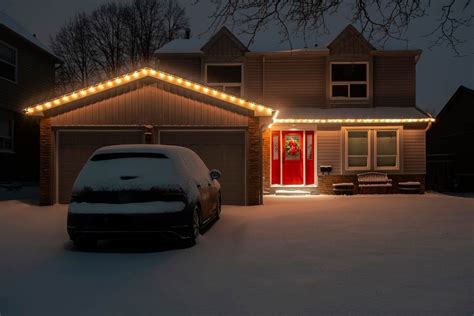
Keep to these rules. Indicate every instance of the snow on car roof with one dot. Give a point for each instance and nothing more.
(142, 148)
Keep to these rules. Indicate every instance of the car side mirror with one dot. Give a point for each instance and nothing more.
(215, 174)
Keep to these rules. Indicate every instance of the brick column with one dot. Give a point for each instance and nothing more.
(254, 160)
(266, 159)
(46, 163)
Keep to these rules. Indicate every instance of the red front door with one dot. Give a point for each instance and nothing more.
(292, 157)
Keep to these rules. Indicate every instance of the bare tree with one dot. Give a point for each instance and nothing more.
(175, 21)
(379, 20)
(153, 23)
(115, 37)
(73, 44)
(109, 32)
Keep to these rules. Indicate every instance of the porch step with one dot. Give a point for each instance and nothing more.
(289, 192)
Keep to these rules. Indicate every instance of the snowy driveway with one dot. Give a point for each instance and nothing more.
(324, 254)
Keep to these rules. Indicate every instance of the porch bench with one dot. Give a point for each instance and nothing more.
(409, 187)
(343, 188)
(374, 182)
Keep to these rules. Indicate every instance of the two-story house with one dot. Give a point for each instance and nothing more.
(26, 75)
(304, 118)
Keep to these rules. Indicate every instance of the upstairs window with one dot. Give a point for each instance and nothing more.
(349, 80)
(8, 62)
(6, 135)
(225, 77)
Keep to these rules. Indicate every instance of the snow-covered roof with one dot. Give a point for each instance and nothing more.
(376, 113)
(16, 27)
(194, 45)
(182, 45)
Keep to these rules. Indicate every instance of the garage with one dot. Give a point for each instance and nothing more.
(75, 147)
(223, 150)
(150, 107)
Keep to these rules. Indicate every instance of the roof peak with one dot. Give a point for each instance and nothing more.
(37, 109)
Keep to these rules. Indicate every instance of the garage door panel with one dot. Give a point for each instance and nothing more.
(219, 150)
(75, 148)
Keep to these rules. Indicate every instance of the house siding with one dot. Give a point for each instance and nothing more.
(35, 81)
(150, 104)
(223, 46)
(287, 81)
(414, 151)
(35, 74)
(188, 67)
(394, 81)
(329, 150)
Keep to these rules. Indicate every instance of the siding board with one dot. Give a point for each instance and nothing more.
(149, 105)
(394, 81)
(329, 150)
(414, 151)
(288, 81)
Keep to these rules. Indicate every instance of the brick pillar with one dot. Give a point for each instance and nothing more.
(254, 160)
(266, 159)
(46, 163)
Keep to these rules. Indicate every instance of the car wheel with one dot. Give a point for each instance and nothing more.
(219, 207)
(85, 243)
(194, 230)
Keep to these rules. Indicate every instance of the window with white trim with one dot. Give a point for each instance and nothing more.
(386, 149)
(8, 62)
(357, 149)
(6, 135)
(349, 80)
(225, 77)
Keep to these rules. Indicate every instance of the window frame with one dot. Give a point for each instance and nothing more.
(348, 83)
(14, 65)
(346, 153)
(228, 84)
(11, 138)
(397, 165)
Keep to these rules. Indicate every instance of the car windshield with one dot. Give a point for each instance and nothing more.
(110, 156)
(128, 171)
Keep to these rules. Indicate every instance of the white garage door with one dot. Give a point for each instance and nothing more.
(223, 150)
(75, 147)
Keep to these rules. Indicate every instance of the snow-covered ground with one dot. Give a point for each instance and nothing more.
(411, 254)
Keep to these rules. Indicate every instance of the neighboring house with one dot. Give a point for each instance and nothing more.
(267, 120)
(449, 145)
(26, 76)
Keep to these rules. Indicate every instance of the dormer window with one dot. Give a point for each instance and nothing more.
(349, 80)
(8, 62)
(225, 77)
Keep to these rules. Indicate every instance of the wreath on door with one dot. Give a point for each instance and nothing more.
(292, 147)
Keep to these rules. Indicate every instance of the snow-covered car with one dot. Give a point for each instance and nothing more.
(145, 191)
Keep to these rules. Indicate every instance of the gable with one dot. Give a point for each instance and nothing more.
(80, 97)
(224, 43)
(150, 103)
(350, 42)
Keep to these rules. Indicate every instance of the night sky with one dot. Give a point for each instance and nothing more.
(439, 72)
